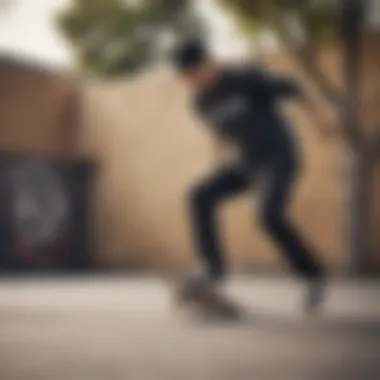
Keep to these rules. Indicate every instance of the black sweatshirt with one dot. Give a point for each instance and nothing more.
(242, 106)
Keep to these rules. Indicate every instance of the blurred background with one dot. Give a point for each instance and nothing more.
(97, 149)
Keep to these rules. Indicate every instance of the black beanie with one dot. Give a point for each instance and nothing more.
(189, 54)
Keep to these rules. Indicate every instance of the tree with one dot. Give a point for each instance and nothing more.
(112, 37)
(298, 25)
(301, 26)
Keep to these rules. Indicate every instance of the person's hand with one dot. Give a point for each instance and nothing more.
(325, 119)
(327, 124)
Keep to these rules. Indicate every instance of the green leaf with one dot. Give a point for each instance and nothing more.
(112, 37)
(253, 16)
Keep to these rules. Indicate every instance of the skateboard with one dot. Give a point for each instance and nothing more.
(210, 306)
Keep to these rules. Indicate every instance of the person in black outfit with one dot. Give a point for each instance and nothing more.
(241, 107)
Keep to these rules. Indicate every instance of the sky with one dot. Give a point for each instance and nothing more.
(28, 29)
(222, 32)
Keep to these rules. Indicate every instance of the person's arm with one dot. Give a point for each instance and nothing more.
(324, 119)
(272, 86)
(267, 86)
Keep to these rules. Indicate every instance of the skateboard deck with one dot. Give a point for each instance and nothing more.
(212, 307)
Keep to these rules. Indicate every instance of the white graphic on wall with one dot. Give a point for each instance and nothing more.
(40, 205)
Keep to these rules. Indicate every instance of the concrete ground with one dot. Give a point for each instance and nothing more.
(121, 329)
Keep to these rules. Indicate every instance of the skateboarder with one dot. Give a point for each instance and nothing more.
(241, 108)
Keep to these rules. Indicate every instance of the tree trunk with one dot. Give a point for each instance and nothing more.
(359, 213)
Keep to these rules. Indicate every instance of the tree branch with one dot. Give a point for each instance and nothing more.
(351, 33)
(306, 59)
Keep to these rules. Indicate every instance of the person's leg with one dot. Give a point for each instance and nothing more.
(279, 180)
(205, 197)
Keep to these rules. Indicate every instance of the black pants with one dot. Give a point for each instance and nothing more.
(278, 176)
